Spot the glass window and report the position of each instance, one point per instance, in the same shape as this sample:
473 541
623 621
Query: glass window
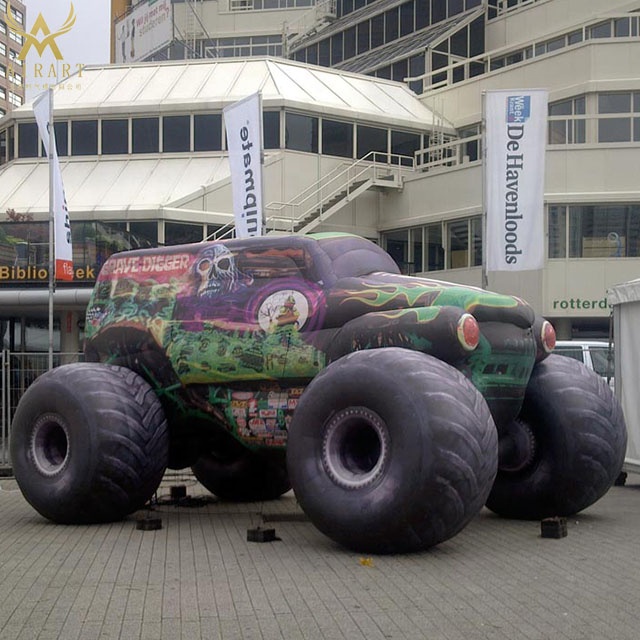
391 25
115 136
181 233
146 230
377 31
407 12
27 140
570 352
455 7
312 54
614 130
569 130
458 244
10 143
324 58
397 246
603 231
84 137
399 70
371 139
301 133
3 146
557 231
458 43
404 143
336 48
621 27
271 129
602 360
337 138
438 11
574 37
554 45
212 230
416 68
416 250
614 103
435 248
349 43
363 37
602 30
176 133
61 130
423 14
207 132
145 135
476 241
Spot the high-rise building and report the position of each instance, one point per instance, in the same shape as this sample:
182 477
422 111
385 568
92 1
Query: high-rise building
11 73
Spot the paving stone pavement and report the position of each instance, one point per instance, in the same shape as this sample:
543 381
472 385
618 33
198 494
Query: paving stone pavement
199 578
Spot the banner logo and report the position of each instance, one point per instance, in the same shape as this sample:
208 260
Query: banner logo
41 26
518 109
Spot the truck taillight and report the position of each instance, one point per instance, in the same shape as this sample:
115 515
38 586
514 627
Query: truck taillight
468 332
548 336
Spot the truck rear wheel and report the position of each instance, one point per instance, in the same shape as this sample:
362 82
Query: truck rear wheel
89 443
391 450
243 476
566 448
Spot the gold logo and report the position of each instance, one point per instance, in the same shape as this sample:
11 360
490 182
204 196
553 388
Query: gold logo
41 26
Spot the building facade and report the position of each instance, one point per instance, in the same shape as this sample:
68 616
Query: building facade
386 144
11 74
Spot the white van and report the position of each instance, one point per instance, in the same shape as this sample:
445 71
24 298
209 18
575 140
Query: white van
596 354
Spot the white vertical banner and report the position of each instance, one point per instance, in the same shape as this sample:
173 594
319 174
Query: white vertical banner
63 254
243 123
515 140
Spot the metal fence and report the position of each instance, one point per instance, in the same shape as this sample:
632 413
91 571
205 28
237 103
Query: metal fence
18 371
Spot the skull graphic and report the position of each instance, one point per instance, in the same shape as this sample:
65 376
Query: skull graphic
215 272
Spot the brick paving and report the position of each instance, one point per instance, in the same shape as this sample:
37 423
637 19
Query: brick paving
199 578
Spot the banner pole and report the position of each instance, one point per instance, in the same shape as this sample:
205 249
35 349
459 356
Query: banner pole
483 142
51 229
261 125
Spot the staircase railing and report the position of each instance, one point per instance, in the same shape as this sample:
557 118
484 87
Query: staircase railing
381 169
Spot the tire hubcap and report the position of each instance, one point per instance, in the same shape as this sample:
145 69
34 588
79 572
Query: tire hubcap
355 447
516 448
49 444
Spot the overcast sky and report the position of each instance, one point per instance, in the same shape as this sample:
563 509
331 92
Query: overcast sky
86 43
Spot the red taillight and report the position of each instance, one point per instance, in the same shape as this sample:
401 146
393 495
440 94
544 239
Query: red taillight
468 332
548 336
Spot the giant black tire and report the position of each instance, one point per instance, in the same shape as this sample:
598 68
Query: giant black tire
391 451
576 444
243 476
89 443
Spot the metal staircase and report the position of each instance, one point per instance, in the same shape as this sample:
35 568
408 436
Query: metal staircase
320 201
335 190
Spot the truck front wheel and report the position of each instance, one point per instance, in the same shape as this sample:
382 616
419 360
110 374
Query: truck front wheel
566 448
89 443
391 450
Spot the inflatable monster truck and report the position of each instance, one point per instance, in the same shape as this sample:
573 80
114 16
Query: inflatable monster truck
395 406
